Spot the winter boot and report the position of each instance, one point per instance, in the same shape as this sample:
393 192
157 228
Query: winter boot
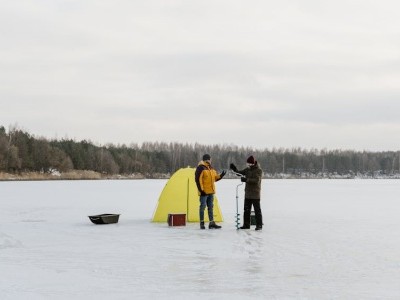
202 225
213 225
244 227
258 227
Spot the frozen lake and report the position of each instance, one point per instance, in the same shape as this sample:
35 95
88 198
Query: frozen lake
322 239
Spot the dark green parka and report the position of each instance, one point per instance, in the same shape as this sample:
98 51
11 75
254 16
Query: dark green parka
253 182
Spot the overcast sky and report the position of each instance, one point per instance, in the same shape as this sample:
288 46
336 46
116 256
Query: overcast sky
263 74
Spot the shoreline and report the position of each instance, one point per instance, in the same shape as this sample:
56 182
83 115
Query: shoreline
92 175
72 175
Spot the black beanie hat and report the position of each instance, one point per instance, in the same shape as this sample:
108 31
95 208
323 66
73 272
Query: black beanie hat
206 157
251 160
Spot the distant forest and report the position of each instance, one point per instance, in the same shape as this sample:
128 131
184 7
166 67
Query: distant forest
23 152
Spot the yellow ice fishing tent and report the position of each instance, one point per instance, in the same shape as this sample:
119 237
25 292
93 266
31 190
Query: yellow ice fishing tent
180 195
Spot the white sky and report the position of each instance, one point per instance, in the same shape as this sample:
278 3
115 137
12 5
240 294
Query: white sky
311 74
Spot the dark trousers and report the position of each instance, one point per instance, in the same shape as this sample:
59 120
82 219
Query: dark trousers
247 210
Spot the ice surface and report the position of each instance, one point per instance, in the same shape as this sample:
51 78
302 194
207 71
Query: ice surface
322 239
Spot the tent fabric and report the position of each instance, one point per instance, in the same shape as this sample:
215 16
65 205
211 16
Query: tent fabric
180 195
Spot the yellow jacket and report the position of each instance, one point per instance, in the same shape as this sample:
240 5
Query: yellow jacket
205 177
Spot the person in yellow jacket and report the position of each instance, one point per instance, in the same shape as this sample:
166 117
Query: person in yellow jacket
205 177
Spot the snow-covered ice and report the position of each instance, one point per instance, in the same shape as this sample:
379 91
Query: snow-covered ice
322 239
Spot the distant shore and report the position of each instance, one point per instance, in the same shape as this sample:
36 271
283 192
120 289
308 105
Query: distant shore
72 175
92 175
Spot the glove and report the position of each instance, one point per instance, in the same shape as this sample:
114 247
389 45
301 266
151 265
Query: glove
233 167
222 173
202 193
243 179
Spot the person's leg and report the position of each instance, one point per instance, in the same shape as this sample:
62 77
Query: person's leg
246 214
210 205
203 203
257 210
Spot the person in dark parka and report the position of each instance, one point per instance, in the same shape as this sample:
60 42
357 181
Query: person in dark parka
252 176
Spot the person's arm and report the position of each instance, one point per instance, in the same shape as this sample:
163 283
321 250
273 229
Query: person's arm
219 176
198 178
235 169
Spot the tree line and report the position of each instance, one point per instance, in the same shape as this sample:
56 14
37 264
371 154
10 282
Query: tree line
22 152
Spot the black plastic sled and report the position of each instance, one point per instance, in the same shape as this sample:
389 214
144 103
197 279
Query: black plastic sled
104 218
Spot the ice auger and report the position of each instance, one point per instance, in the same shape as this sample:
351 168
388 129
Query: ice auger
237 219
